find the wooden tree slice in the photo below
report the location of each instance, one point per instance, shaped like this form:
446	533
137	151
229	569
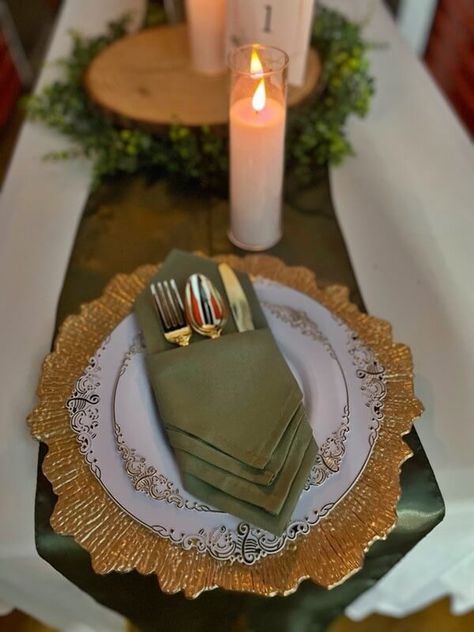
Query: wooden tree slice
147	79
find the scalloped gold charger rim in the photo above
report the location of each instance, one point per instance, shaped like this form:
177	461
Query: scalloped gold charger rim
328	554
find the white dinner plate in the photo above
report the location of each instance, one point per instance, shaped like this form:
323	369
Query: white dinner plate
127	450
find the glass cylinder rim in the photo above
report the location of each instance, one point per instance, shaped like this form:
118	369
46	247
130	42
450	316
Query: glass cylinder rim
267	73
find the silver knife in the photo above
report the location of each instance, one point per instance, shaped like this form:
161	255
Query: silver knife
239	305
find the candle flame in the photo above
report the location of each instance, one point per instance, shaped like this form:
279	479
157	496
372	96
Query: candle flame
259	98
256	68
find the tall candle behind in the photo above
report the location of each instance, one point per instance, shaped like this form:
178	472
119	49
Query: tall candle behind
257	146
206	28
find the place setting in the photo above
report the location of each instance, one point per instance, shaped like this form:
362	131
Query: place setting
234	421
221	420
234	272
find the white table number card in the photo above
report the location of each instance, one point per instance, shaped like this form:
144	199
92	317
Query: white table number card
285	24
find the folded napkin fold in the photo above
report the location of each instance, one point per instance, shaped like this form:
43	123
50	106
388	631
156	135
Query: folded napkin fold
231	407
255	515
191	447
216	392
270	497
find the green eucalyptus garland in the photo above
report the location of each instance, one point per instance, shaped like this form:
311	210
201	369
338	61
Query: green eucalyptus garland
315	132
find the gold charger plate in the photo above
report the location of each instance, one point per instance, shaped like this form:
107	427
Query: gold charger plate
332	551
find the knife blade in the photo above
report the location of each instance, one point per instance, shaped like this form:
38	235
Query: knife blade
239	305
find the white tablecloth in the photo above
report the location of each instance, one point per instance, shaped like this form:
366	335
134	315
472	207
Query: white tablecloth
40	206
405	204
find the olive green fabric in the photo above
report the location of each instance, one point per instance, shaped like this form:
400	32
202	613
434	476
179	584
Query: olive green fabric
255	515
131	222
234	395
190	448
269	497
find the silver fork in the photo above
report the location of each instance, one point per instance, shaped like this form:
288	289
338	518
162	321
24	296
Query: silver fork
170	310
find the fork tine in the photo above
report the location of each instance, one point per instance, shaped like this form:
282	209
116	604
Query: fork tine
165	305
177	296
163	318
169	307
171	304
179	307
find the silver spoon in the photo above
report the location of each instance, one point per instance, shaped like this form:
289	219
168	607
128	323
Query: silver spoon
205	310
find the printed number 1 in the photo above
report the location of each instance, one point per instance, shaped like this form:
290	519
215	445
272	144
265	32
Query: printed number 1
268	19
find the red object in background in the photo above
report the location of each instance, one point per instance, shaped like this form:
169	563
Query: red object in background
450	55
10	84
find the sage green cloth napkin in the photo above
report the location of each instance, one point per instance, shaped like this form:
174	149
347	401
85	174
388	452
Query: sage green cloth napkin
235	393
191	448
229	400
255	515
269	497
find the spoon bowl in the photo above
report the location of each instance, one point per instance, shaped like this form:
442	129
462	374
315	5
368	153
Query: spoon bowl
205	310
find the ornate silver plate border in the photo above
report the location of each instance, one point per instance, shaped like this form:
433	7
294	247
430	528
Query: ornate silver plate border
245	544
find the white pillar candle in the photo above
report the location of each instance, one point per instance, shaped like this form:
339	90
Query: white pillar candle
206	28
257	141
257	145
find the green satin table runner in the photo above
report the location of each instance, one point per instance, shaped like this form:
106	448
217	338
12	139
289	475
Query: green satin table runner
131	222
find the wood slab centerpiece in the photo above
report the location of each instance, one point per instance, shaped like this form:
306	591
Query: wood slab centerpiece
146	79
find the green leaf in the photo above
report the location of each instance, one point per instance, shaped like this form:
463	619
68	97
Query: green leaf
315	132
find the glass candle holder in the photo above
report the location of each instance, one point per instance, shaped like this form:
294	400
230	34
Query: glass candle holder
206	28
257	145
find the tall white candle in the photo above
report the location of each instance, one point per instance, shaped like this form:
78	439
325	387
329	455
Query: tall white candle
257	144
206	28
